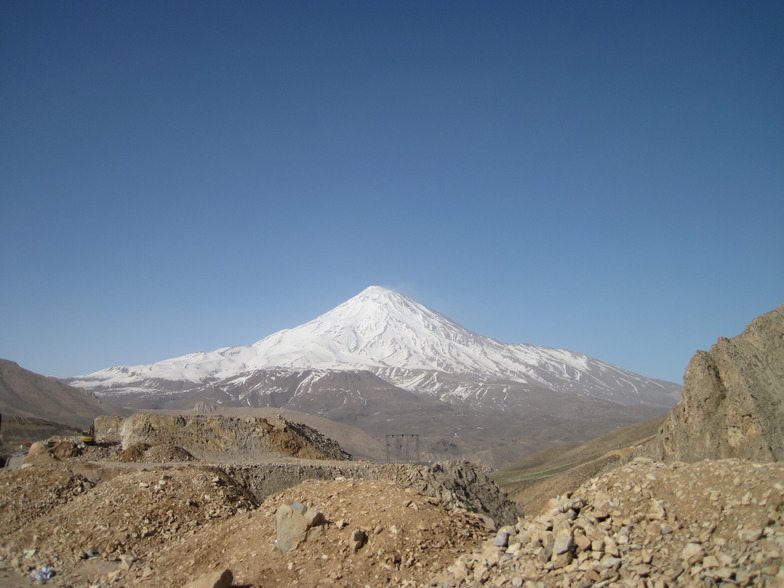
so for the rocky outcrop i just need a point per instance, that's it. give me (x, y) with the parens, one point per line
(733, 396)
(213, 436)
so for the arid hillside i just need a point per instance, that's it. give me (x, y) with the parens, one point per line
(562, 469)
(25, 393)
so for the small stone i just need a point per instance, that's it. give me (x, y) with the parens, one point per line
(593, 575)
(710, 561)
(218, 579)
(562, 560)
(358, 540)
(750, 535)
(656, 511)
(723, 573)
(692, 553)
(563, 544)
(112, 577)
(611, 548)
(582, 542)
(501, 539)
(642, 570)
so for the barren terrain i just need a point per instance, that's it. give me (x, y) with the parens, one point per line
(97, 520)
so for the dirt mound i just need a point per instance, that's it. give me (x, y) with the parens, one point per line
(143, 452)
(158, 528)
(455, 484)
(28, 493)
(134, 453)
(160, 525)
(408, 539)
(646, 523)
(167, 454)
(218, 437)
(129, 515)
(460, 484)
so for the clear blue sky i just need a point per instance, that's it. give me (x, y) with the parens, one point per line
(606, 177)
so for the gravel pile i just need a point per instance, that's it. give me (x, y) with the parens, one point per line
(712, 523)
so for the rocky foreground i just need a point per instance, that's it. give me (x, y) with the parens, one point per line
(711, 523)
(154, 515)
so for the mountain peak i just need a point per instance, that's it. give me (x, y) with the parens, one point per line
(376, 291)
(397, 338)
(377, 316)
(379, 295)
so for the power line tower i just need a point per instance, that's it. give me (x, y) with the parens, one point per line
(402, 448)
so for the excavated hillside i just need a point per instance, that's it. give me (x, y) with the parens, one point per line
(219, 437)
(119, 510)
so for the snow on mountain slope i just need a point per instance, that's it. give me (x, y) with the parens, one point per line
(403, 342)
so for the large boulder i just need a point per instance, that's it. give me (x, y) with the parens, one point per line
(733, 399)
(294, 523)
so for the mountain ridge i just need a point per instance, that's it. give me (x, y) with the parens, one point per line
(403, 342)
(26, 394)
(390, 365)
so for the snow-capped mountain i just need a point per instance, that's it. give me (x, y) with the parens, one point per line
(401, 342)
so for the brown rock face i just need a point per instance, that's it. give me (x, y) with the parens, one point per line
(732, 399)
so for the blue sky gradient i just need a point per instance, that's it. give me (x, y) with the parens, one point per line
(606, 177)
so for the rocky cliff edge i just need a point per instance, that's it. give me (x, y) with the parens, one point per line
(733, 396)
